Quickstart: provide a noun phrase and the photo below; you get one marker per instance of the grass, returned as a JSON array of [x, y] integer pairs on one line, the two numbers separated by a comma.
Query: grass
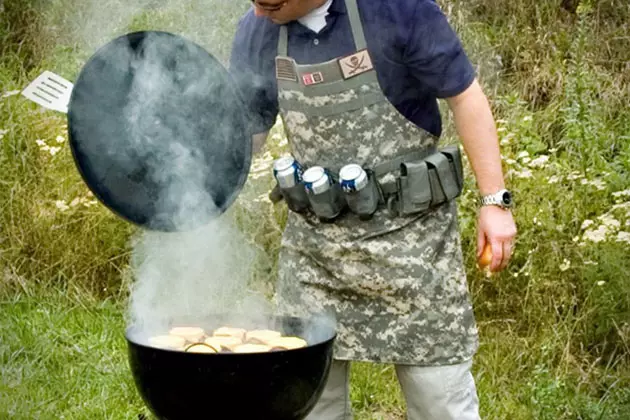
[[555, 330]]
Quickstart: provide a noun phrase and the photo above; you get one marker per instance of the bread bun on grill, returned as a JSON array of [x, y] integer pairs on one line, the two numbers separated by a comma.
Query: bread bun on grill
[[230, 332], [226, 343], [252, 348], [287, 343], [170, 342], [261, 336], [191, 334]]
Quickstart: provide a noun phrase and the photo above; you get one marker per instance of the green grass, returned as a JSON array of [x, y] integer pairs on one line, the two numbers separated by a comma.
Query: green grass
[[65, 357], [555, 326]]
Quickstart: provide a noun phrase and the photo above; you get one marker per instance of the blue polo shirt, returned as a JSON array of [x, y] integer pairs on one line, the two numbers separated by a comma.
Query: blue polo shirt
[[417, 56]]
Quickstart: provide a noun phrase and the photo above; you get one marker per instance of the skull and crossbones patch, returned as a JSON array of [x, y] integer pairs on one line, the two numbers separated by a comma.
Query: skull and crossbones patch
[[356, 64]]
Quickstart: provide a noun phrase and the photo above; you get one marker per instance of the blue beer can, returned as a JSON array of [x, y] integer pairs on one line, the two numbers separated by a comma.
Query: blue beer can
[[287, 171], [353, 178]]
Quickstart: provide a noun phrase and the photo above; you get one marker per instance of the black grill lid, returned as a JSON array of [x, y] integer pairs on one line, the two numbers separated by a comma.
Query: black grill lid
[[158, 132]]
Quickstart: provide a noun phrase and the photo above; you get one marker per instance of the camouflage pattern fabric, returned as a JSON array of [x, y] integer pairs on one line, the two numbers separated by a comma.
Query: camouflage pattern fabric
[[396, 287]]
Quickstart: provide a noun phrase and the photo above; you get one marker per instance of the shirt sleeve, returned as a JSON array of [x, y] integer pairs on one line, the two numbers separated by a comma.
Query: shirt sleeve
[[252, 70], [435, 54]]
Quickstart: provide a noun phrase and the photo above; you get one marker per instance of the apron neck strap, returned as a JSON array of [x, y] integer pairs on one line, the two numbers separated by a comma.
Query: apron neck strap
[[355, 25]]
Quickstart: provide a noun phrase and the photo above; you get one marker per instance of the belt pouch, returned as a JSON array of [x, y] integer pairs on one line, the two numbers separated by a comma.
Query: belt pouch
[[413, 188], [364, 202], [454, 156], [444, 186], [329, 204], [296, 198]]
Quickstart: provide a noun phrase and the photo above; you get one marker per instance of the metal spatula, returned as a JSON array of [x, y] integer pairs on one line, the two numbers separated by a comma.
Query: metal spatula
[[50, 91]]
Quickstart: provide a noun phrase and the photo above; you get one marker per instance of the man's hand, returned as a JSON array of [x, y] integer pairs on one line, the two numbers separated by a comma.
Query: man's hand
[[477, 130], [496, 228]]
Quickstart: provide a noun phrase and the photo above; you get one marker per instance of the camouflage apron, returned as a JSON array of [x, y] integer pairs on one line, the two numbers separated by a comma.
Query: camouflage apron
[[396, 286]]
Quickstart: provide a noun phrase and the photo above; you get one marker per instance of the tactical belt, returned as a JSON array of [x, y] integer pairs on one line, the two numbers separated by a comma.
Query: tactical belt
[[412, 183]]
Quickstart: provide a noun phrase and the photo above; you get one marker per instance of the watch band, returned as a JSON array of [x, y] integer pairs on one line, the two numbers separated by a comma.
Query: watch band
[[502, 198]]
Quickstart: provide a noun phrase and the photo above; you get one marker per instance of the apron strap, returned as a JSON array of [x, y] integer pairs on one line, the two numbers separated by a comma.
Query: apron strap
[[355, 25], [283, 42]]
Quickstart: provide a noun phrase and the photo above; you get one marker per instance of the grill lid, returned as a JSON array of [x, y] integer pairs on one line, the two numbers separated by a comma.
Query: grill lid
[[157, 131]]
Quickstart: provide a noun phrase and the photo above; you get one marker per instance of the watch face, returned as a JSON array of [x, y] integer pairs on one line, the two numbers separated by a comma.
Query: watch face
[[507, 198]]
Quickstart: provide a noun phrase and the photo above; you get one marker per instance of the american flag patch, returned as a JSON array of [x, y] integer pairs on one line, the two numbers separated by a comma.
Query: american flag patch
[[312, 78]]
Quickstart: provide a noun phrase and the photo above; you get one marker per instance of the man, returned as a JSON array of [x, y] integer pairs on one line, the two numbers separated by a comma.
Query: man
[[357, 81]]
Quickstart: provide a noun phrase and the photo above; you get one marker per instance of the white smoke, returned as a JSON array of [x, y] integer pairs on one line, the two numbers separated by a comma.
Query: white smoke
[[192, 274]]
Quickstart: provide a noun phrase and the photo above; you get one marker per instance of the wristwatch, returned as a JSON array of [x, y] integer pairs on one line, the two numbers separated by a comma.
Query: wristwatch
[[502, 198]]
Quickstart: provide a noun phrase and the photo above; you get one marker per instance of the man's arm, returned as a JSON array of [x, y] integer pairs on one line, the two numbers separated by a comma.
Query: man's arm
[[477, 130]]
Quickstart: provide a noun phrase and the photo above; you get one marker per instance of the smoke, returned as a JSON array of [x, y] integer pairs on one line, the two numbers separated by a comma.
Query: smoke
[[191, 275], [179, 121]]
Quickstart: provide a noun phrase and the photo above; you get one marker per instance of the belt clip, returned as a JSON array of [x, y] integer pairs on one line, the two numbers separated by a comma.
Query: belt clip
[[392, 206]]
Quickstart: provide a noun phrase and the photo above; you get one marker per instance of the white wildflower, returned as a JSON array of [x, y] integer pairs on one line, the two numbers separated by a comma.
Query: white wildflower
[[525, 173], [554, 179], [623, 237], [624, 206], [510, 161], [574, 175], [60, 139], [522, 155], [54, 150], [89, 203], [597, 183], [61, 205], [586, 224], [553, 150], [618, 194], [501, 129], [609, 220], [566, 264], [589, 262], [11, 93], [528, 118], [75, 202], [526, 160], [601, 283], [2, 133], [539, 162], [576, 238], [507, 139], [596, 236]]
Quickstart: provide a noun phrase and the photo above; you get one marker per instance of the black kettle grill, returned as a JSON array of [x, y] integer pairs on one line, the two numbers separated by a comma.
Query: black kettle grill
[[280, 385]]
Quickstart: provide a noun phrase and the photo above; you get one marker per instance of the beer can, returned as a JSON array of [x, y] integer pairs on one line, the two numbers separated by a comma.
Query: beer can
[[287, 171], [316, 180], [353, 178]]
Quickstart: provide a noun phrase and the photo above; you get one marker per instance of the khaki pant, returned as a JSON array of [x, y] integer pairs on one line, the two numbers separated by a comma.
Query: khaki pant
[[431, 393]]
